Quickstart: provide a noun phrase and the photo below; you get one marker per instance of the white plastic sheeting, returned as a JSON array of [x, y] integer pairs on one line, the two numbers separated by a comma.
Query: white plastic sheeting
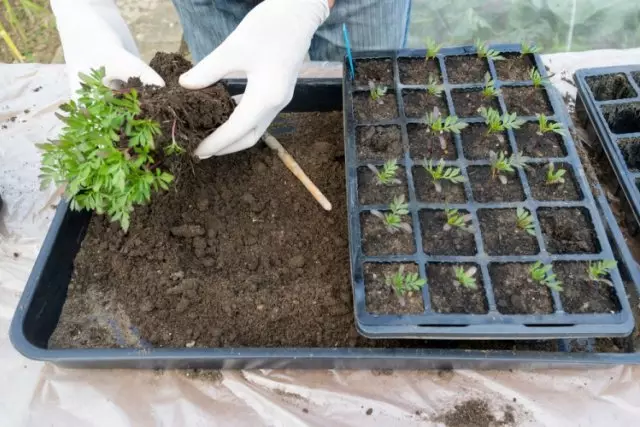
[[37, 394]]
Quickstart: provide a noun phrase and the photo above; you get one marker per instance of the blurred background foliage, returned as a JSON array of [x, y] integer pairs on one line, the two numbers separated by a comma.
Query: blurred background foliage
[[556, 25]]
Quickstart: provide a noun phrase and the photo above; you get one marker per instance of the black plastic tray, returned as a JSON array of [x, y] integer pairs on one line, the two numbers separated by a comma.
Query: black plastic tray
[[493, 324], [44, 295], [600, 92]]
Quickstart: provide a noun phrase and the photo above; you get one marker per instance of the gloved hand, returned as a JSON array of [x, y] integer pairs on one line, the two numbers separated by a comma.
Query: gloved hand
[[269, 45], [93, 35]]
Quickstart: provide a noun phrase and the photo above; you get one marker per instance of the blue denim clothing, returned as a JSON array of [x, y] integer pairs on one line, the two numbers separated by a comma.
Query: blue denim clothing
[[372, 25]]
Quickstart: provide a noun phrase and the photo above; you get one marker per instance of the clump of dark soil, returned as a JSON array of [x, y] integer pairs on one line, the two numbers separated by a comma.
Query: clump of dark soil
[[610, 87], [466, 69], [467, 102], [549, 144], [527, 100], [516, 292], [424, 144], [568, 230], [541, 190], [514, 67], [449, 297], [414, 71], [487, 189], [581, 294], [377, 71], [501, 234], [476, 413], [476, 144], [379, 142], [417, 103], [369, 110]]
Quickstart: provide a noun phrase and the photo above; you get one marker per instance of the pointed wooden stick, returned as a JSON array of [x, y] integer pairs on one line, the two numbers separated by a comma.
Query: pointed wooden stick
[[293, 166]]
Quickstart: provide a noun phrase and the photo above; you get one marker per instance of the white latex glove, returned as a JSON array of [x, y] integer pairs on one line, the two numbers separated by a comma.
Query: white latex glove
[[269, 46], [94, 35]]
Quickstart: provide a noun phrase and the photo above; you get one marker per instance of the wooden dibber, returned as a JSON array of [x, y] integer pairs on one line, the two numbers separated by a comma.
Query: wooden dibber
[[293, 166]]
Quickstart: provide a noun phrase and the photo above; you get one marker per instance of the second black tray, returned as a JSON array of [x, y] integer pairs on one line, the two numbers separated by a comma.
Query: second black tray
[[492, 324]]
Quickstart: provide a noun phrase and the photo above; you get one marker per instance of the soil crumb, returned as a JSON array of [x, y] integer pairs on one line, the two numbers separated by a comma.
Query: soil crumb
[[476, 413]]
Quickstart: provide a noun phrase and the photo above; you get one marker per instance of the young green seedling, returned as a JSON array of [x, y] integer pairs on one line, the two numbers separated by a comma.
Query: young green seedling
[[465, 277], [438, 173], [599, 270], [404, 283], [105, 158], [555, 176], [500, 164], [386, 175], [455, 219], [432, 49], [528, 49], [433, 86], [439, 125], [544, 126], [497, 123], [377, 92], [485, 52], [489, 90], [542, 274], [524, 221], [393, 219], [537, 78]]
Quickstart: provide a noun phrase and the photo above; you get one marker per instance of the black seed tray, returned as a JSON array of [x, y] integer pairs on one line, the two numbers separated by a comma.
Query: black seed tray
[[44, 296], [608, 106], [491, 324]]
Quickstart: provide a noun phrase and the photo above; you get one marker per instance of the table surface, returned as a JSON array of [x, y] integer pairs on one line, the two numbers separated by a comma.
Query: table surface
[[41, 394]]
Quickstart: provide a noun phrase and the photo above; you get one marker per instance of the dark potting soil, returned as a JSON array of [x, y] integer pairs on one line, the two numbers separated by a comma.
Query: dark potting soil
[[378, 240], [417, 103], [476, 144], [416, 71], [424, 144], [630, 149], [581, 294], [485, 188], [516, 292], [537, 176], [381, 298], [549, 144], [437, 241], [379, 142], [425, 190], [448, 297], [527, 100], [368, 110], [371, 193], [467, 102], [514, 67], [610, 87], [568, 230], [379, 71], [466, 69], [502, 236], [476, 413]]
